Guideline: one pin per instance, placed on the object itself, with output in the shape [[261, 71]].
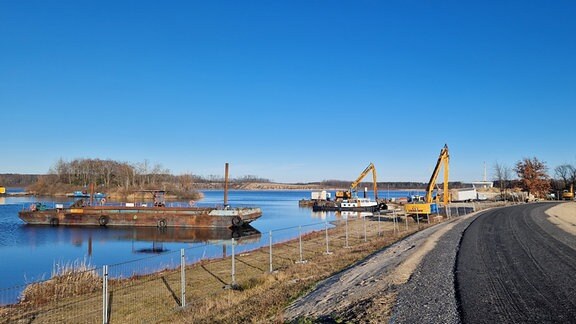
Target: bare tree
[[533, 176], [502, 175], [563, 172]]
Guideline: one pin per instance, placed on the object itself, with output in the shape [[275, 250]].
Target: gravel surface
[[429, 296]]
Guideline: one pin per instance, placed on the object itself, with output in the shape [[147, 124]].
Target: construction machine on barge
[[349, 200]]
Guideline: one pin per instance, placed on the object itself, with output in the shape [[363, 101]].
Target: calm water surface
[[29, 253]]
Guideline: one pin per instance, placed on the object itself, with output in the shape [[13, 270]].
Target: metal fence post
[[233, 265], [327, 245], [406, 218], [347, 246], [300, 245], [365, 235], [105, 294], [270, 236], [182, 278]]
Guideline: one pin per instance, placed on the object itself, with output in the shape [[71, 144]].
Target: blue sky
[[288, 90]]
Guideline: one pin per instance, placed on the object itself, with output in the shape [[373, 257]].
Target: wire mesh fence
[[158, 286]]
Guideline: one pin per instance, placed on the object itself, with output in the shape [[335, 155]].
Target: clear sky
[[288, 90]]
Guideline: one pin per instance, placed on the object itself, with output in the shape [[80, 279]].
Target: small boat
[[78, 194], [2, 191], [355, 204]]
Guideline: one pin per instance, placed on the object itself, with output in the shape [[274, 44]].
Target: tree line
[[532, 176], [122, 177]]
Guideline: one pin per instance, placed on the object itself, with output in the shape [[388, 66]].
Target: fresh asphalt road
[[514, 266]]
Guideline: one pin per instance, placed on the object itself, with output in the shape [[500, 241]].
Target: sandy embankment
[[564, 216]]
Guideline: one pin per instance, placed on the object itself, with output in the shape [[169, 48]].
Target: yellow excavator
[[427, 205], [353, 187], [568, 195]]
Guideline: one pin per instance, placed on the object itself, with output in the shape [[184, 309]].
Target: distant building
[[483, 184]]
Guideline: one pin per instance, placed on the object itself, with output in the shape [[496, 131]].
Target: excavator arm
[[369, 168], [443, 158], [428, 207]]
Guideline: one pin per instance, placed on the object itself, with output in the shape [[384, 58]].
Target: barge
[[139, 215], [83, 213]]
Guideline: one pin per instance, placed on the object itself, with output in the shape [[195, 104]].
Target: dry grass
[[261, 296], [67, 280]]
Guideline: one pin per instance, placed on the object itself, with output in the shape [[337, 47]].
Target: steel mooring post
[[105, 294], [182, 278], [270, 236]]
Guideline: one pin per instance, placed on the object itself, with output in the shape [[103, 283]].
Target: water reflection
[[78, 236], [339, 215]]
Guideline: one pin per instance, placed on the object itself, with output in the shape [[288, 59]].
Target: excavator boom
[[427, 206], [443, 158], [369, 168]]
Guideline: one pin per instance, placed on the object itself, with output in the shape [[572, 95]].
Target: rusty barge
[[155, 214], [140, 215]]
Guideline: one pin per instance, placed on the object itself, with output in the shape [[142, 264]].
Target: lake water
[[29, 253]]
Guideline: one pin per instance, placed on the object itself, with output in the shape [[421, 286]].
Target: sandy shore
[[564, 216]]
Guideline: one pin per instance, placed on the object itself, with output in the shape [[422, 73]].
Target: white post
[[300, 244], [347, 246], [365, 236], [233, 265], [270, 235], [105, 294], [406, 218], [327, 245], [182, 278]]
